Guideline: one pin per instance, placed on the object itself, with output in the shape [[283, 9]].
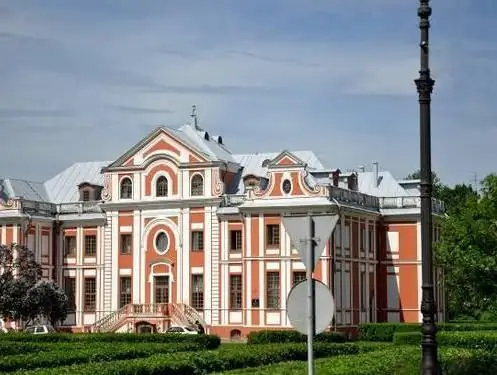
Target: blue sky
[[84, 80]]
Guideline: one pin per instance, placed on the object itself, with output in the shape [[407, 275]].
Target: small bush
[[202, 362], [385, 331], [206, 341], [393, 361], [470, 340], [288, 336], [94, 352]]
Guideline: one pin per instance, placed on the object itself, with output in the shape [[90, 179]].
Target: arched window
[[161, 187], [126, 188], [197, 188]]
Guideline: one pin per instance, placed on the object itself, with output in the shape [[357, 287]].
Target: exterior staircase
[[172, 313]]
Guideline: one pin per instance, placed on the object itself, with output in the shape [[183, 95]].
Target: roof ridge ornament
[[194, 117]]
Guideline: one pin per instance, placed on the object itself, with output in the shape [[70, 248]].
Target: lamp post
[[424, 85]]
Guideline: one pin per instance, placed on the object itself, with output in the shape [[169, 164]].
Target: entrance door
[[161, 286]]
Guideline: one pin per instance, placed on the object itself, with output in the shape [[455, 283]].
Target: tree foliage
[[468, 251], [23, 295], [47, 300], [20, 273]]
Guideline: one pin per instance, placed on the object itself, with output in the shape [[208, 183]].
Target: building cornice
[[162, 204]]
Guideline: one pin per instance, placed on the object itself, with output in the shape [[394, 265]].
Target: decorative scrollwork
[[259, 192], [107, 190], [313, 190], [217, 183]]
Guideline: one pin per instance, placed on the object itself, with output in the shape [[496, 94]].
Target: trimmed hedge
[[287, 336], [393, 361], [206, 341], [385, 331], [469, 340], [67, 355], [231, 357]]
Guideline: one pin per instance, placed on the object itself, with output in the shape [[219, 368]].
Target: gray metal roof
[[63, 188], [30, 190]]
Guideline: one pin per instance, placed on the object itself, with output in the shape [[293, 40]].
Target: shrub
[[392, 361], [385, 331], [232, 357], [206, 341], [94, 352], [469, 340], [287, 336]]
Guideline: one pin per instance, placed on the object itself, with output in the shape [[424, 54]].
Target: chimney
[[352, 182], [375, 174], [362, 168], [335, 176]]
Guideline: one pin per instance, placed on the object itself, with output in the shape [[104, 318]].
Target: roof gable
[[286, 159], [123, 160]]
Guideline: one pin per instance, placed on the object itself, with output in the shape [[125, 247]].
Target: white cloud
[[119, 71]]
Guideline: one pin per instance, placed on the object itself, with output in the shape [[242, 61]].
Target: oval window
[[287, 186], [162, 242]]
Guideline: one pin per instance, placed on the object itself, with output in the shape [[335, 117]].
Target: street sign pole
[[310, 233], [310, 296]]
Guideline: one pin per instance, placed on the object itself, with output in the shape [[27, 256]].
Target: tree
[[20, 273], [47, 300], [437, 184], [23, 296], [468, 252]]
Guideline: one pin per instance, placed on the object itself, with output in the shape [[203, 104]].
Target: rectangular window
[[86, 195], [235, 292], [364, 292], [235, 240], [70, 291], [90, 245], [198, 292], [124, 291], [346, 238], [70, 246], [273, 290], [363, 239], [198, 240], [126, 243], [371, 241], [90, 294], [338, 289], [298, 277], [272, 235], [338, 236], [161, 291]]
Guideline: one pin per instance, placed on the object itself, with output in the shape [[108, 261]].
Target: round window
[[162, 242], [287, 186]]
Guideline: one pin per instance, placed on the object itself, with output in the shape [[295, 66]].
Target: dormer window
[[89, 192]]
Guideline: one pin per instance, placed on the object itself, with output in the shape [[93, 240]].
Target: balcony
[[350, 197], [232, 200], [79, 208], [410, 202]]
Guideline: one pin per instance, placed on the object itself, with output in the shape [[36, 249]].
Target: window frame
[[197, 300], [272, 240]]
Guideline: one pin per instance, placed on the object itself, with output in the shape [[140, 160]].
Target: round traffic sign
[[297, 302]]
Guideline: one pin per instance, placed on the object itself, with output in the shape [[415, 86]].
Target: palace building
[[179, 229]]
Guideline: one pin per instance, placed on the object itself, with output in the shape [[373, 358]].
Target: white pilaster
[[183, 276], [262, 272], [138, 277], [419, 267], [115, 261], [248, 274], [3, 235], [208, 266]]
